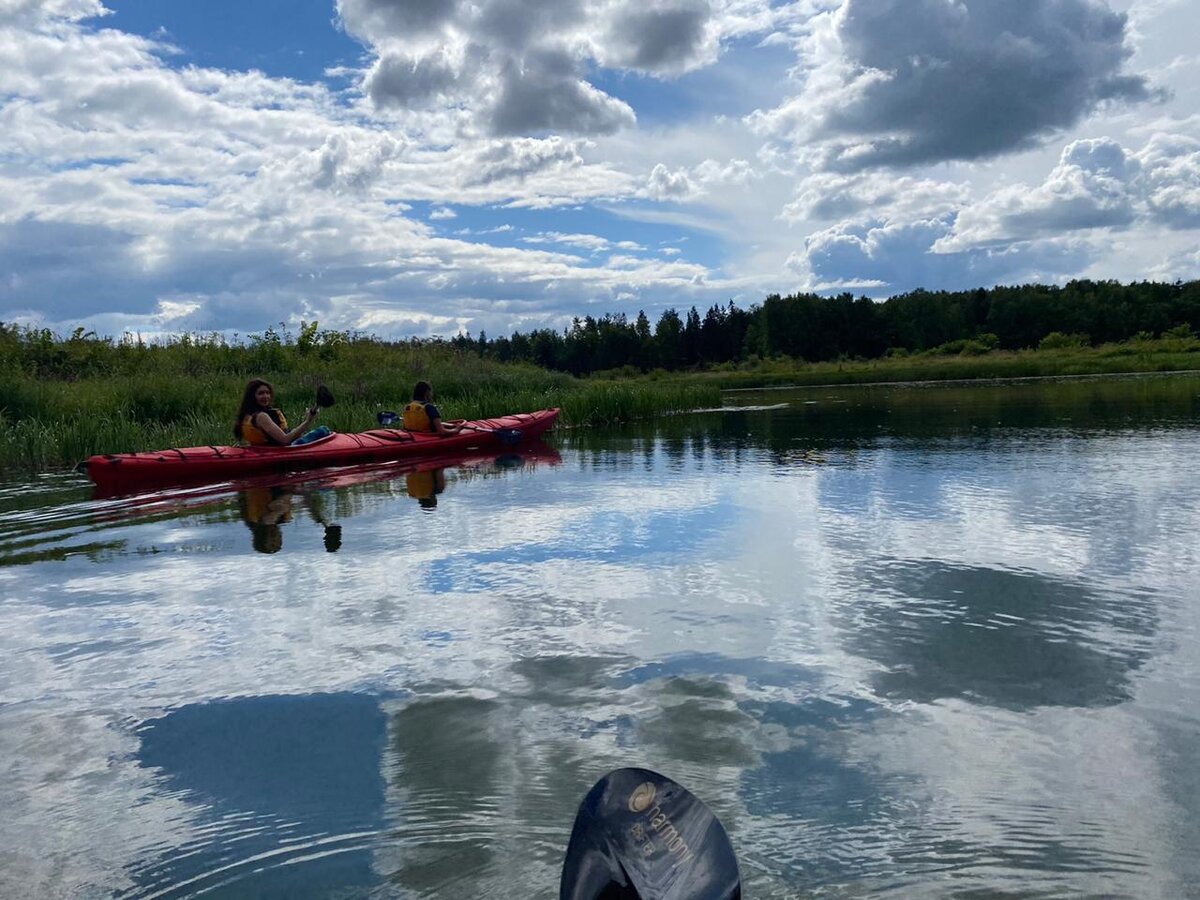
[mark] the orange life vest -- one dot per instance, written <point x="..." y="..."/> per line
<point x="255" y="436"/>
<point x="416" y="418"/>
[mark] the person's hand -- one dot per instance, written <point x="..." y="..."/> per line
<point x="312" y="412"/>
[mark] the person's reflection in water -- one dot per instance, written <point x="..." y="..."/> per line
<point x="315" y="501"/>
<point x="264" y="509"/>
<point x="425" y="486"/>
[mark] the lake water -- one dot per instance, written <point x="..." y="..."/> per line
<point x="927" y="641"/>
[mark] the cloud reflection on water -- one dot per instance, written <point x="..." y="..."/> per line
<point x="1011" y="639"/>
<point x="911" y="668"/>
<point x="273" y="778"/>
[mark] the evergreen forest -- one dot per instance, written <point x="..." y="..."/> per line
<point x="814" y="328"/>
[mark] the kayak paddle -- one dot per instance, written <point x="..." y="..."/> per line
<point x="506" y="435"/>
<point x="640" y="836"/>
<point x="387" y="418"/>
<point x="324" y="397"/>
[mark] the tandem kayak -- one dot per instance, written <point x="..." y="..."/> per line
<point x="117" y="472"/>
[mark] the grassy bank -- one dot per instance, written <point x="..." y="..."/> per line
<point x="1168" y="354"/>
<point x="63" y="400"/>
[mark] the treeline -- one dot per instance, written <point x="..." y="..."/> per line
<point x="817" y="329"/>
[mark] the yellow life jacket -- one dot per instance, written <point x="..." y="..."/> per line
<point x="255" y="436"/>
<point x="415" y="417"/>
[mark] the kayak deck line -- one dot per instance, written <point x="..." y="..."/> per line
<point x="179" y="465"/>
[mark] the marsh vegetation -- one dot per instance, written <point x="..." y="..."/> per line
<point x="65" y="398"/>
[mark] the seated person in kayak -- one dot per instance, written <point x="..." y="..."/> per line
<point x="422" y="415"/>
<point x="259" y="423"/>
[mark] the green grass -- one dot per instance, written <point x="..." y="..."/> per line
<point x="1148" y="355"/>
<point x="64" y="400"/>
<point x="61" y="402"/>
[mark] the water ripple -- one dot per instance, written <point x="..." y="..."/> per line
<point x="935" y="644"/>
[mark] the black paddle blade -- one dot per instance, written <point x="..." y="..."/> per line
<point x="387" y="417"/>
<point x="324" y="396"/>
<point x="504" y="435"/>
<point x="640" y="836"/>
<point x="333" y="538"/>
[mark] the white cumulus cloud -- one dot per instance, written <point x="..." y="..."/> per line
<point x="522" y="66"/>
<point x="910" y="82"/>
<point x="1096" y="184"/>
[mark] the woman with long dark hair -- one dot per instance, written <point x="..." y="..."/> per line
<point x="259" y="423"/>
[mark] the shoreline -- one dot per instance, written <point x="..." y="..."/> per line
<point x="966" y="382"/>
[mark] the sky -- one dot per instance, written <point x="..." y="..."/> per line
<point x="434" y="167"/>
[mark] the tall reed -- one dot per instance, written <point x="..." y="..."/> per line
<point x="62" y="401"/>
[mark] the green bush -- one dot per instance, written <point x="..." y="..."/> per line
<point x="1056" y="340"/>
<point x="1183" y="332"/>
<point x="951" y="348"/>
<point x="974" y="348"/>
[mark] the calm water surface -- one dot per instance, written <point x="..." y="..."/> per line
<point x="937" y="642"/>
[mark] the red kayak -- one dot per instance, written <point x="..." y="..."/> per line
<point x="180" y="499"/>
<point x="130" y="471"/>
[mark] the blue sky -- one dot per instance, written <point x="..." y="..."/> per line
<point x="283" y="38"/>
<point x="406" y="167"/>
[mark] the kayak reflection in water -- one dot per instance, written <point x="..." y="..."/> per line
<point x="425" y="486"/>
<point x="265" y="509"/>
